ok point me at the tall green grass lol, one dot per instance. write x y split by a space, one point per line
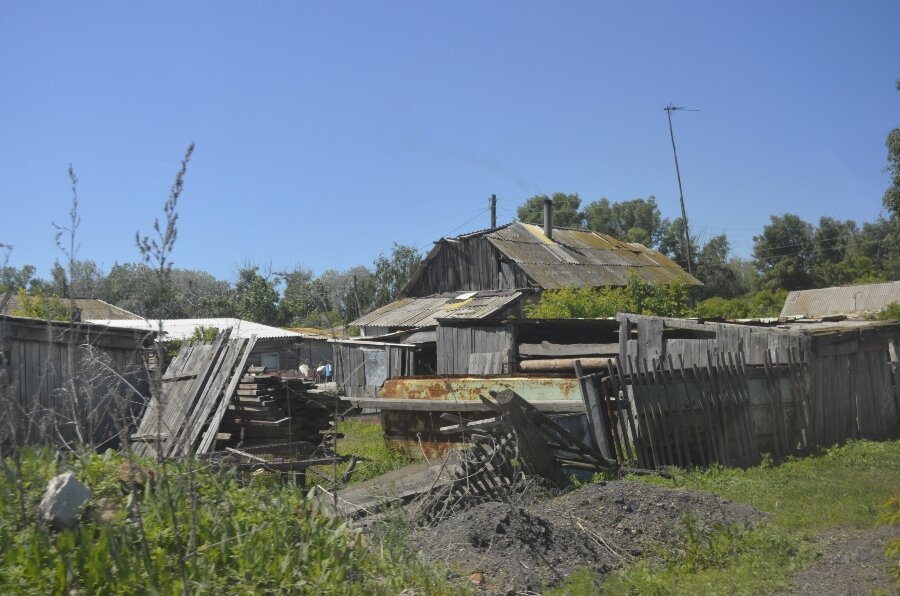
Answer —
264 538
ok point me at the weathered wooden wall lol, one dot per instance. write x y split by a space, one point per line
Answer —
731 393
483 350
360 370
466 265
69 383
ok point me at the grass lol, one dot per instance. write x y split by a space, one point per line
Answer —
843 485
364 437
198 531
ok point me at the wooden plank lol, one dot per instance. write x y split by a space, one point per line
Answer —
617 380
212 395
597 419
650 338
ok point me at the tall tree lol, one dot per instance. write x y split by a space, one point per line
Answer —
392 274
565 210
718 275
891 198
784 253
256 298
671 242
637 220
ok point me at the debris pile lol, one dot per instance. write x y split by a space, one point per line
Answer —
523 545
269 409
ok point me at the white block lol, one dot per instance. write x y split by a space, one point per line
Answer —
63 500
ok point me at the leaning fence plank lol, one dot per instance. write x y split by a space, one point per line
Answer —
620 391
592 405
645 414
687 405
209 436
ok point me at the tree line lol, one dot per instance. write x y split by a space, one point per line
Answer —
294 298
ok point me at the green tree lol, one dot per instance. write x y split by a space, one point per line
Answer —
256 298
565 210
671 242
784 253
392 274
637 220
891 198
719 276
39 306
13 278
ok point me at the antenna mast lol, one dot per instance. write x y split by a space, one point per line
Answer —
687 236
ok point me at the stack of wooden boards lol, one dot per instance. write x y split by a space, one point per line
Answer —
206 401
269 409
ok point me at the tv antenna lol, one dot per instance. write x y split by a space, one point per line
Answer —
687 236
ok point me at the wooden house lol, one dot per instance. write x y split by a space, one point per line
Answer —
520 256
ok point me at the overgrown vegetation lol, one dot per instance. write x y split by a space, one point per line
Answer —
257 538
40 306
638 297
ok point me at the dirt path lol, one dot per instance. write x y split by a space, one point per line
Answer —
852 561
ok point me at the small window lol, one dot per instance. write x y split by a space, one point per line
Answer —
270 361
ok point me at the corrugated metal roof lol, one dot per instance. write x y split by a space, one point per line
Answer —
184 328
582 258
424 312
91 308
846 300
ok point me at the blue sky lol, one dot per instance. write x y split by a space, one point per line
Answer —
325 131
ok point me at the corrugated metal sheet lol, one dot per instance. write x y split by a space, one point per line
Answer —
847 300
582 258
184 328
424 312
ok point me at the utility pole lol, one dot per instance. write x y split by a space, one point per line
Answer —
687 236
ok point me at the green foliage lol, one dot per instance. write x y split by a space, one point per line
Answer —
890 516
889 313
842 485
784 253
227 538
365 438
725 560
39 306
638 297
762 304
204 334
637 220
256 298
392 274
13 279
891 198
565 210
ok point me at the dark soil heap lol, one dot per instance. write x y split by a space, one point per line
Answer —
529 544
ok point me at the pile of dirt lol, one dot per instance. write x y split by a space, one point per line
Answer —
533 544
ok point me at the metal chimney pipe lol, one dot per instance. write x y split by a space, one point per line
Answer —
493 211
548 218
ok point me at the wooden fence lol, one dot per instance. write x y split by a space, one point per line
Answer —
720 410
67 383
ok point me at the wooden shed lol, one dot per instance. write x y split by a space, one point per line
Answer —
519 256
70 382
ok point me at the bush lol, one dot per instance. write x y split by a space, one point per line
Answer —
638 297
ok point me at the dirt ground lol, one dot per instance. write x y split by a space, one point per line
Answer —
532 542
851 561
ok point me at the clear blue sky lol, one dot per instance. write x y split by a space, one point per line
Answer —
326 131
